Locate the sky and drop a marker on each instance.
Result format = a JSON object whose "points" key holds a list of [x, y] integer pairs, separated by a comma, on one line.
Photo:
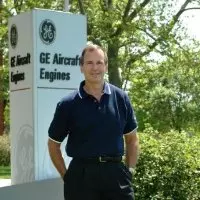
{"points": [[192, 23], [191, 19]]}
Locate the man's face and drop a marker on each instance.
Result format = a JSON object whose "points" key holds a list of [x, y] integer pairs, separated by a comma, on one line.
{"points": [[94, 66]]}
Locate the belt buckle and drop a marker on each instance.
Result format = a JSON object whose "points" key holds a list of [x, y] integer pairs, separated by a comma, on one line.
{"points": [[100, 160]]}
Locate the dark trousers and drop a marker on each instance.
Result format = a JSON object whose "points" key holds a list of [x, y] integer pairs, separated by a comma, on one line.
{"points": [[98, 181]]}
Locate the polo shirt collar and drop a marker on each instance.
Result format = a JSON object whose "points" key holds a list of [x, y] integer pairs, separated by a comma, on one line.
{"points": [[82, 93]]}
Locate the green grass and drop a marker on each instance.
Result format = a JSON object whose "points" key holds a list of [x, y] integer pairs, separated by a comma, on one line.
{"points": [[4, 172]]}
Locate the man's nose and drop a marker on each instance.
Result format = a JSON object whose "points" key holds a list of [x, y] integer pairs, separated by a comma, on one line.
{"points": [[94, 66]]}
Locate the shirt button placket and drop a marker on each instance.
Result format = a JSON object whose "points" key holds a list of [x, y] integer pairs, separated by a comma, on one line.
{"points": [[98, 105]]}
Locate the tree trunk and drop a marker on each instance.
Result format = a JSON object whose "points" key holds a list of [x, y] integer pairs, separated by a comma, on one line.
{"points": [[1, 118], [1, 99], [113, 65], [1, 88]]}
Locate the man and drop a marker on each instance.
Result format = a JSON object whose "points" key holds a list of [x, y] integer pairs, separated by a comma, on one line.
{"points": [[95, 118]]}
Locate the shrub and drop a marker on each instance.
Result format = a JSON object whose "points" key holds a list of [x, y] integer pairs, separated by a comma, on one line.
{"points": [[4, 150], [168, 166]]}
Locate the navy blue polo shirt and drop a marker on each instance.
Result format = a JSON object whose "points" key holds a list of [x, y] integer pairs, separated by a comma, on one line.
{"points": [[93, 128]]}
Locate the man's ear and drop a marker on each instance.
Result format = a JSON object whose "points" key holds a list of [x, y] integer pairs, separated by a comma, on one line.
{"points": [[81, 68]]}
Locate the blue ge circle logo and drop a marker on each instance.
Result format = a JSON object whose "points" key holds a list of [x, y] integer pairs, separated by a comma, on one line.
{"points": [[47, 31], [13, 36]]}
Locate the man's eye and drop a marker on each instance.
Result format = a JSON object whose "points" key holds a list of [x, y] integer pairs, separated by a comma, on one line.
{"points": [[89, 63], [99, 63]]}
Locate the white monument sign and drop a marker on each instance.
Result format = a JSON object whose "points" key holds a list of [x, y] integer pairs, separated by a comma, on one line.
{"points": [[44, 56]]}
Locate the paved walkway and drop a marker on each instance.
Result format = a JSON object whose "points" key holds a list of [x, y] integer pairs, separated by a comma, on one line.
{"points": [[5, 182]]}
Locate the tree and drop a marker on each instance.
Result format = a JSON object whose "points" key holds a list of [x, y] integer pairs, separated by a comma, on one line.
{"points": [[130, 30], [7, 9], [1, 78], [166, 94], [168, 166]]}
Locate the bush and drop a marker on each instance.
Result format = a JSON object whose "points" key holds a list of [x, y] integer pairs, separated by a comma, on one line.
{"points": [[4, 150], [168, 167]]}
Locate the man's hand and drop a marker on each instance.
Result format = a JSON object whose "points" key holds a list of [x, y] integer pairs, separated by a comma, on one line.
{"points": [[56, 157], [132, 149]]}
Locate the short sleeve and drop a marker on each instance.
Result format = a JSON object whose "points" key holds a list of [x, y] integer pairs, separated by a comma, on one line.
{"points": [[58, 128], [131, 121]]}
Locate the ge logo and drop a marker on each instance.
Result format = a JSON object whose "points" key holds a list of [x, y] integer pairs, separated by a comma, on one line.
{"points": [[47, 31], [13, 36]]}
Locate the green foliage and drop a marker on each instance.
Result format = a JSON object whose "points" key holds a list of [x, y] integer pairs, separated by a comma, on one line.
{"points": [[5, 172], [8, 9], [4, 150], [166, 94], [7, 118], [131, 31], [4, 83], [168, 167]]}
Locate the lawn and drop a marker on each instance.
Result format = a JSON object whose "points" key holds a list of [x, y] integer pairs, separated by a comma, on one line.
{"points": [[4, 172]]}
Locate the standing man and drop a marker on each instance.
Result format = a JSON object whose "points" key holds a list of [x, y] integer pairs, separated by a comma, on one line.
{"points": [[96, 118]]}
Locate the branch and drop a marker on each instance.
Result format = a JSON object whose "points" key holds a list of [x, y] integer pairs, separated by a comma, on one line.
{"points": [[168, 30], [109, 4], [94, 40], [158, 40], [130, 17], [130, 61], [106, 5], [183, 7], [192, 8], [162, 40], [1, 8], [102, 4], [135, 58], [138, 9], [82, 10], [127, 10], [1, 4]]}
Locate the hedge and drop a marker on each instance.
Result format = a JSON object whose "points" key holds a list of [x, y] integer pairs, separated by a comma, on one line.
{"points": [[168, 167], [4, 150]]}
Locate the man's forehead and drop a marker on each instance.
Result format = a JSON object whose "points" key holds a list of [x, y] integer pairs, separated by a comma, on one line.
{"points": [[90, 54], [93, 50]]}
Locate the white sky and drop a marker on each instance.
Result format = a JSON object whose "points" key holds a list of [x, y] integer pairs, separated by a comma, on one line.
{"points": [[191, 19], [192, 23]]}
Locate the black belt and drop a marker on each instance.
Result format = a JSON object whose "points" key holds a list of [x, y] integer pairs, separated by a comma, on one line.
{"points": [[100, 159]]}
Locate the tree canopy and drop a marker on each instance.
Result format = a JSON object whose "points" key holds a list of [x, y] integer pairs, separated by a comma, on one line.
{"points": [[147, 54]]}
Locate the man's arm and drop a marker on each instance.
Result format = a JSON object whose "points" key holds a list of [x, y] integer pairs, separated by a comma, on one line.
{"points": [[132, 148], [56, 157]]}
